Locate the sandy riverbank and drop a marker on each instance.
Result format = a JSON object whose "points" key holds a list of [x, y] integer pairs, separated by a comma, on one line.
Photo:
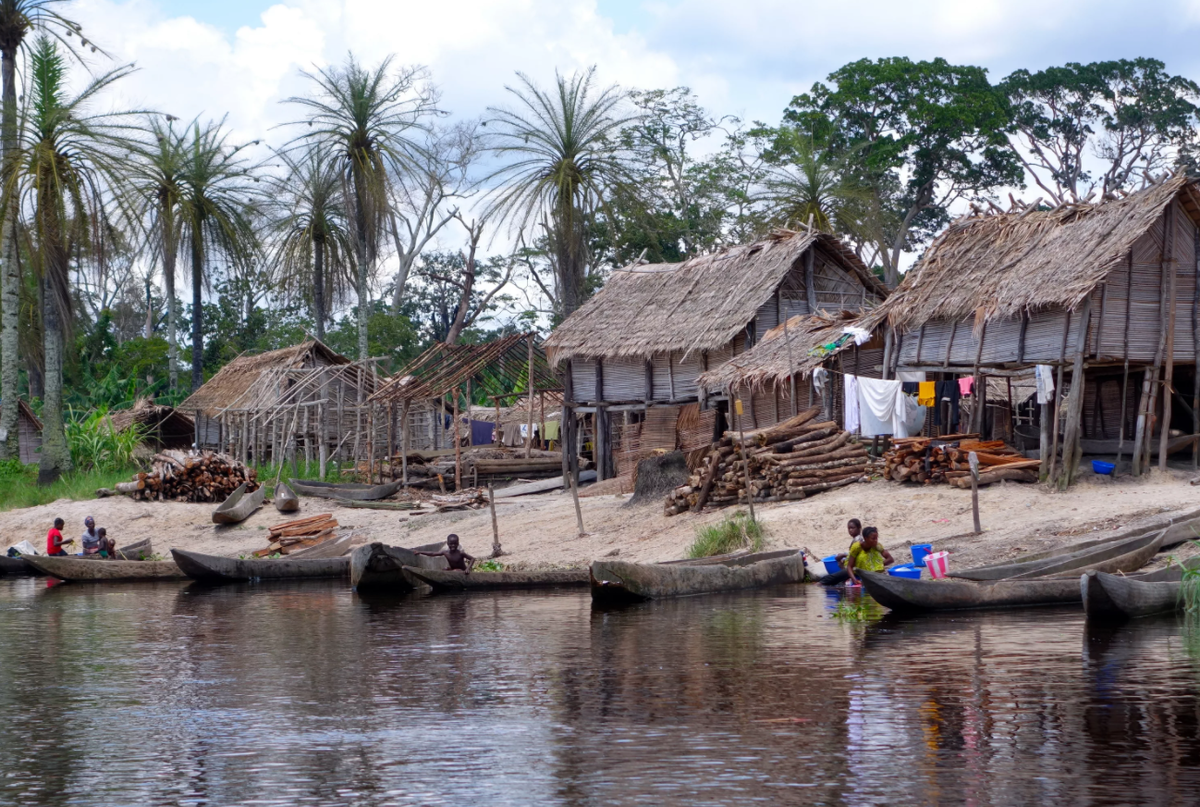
{"points": [[539, 530]]}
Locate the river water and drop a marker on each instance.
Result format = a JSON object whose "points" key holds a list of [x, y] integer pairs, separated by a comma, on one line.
{"points": [[167, 694]]}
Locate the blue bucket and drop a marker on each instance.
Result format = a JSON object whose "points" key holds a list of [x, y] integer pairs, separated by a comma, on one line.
{"points": [[907, 571], [1105, 468], [831, 564], [919, 551]]}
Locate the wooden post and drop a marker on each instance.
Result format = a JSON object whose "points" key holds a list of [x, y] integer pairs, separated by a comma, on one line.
{"points": [[974, 462], [496, 430], [457, 448], [575, 498], [1142, 434], [1196, 354], [196, 424], [341, 409], [1044, 443], [810, 286], [496, 550], [323, 445], [1058, 385], [1071, 439], [391, 441], [745, 462], [404, 442], [529, 397], [1164, 439]]}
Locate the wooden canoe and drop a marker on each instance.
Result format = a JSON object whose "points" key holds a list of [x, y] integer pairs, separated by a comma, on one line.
{"points": [[358, 493], [1098, 602], [15, 567], [1113, 596], [239, 506], [447, 581], [286, 500], [621, 581], [732, 559], [378, 567], [138, 550], [113, 571], [1087, 556], [216, 569], [950, 595], [330, 548]]}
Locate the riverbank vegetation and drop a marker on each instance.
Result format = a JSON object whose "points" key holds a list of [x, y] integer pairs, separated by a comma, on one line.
{"points": [[730, 534], [368, 221]]}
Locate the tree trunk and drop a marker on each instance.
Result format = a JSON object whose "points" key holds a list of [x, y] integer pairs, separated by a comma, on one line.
{"points": [[319, 287], [56, 455], [10, 276], [464, 300], [363, 270], [197, 309], [169, 256]]}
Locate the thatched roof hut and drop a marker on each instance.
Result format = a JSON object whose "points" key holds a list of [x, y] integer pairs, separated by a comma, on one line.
{"points": [[164, 426], [239, 384]]}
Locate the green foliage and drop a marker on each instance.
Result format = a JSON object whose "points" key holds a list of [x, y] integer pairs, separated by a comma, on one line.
{"points": [[489, 565], [732, 533], [95, 445], [22, 490], [1190, 589], [858, 610]]}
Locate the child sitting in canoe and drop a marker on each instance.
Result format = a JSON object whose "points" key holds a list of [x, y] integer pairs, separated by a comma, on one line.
{"points": [[458, 560], [108, 547], [867, 555]]}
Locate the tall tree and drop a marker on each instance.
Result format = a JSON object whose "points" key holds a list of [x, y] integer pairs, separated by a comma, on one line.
{"points": [[370, 119], [157, 175], [217, 186], [1083, 128], [312, 242], [563, 160], [17, 19], [66, 169], [923, 135]]}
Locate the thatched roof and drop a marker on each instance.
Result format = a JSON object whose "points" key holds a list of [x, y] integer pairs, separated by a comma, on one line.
{"points": [[164, 425], [231, 386], [783, 351], [26, 410], [1007, 264], [700, 304]]}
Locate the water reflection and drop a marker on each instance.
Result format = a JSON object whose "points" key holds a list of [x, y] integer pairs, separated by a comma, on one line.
{"points": [[305, 693]]}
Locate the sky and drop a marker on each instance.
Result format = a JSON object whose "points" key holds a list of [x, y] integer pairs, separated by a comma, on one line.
{"points": [[746, 58]]}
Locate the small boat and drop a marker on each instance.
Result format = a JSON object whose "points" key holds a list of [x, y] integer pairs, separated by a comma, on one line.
{"points": [[138, 550], [216, 569], [377, 567], [286, 500], [113, 571], [901, 594], [621, 581], [239, 506], [447, 581], [732, 559], [330, 548], [16, 567], [354, 492], [1109, 596], [1084, 556]]}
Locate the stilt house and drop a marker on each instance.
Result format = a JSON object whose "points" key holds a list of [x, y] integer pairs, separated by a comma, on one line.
{"points": [[29, 434], [636, 350], [1107, 294]]}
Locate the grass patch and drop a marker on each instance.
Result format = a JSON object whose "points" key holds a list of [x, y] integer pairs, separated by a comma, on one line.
{"points": [[19, 488], [729, 535], [489, 565], [1190, 589], [303, 470]]}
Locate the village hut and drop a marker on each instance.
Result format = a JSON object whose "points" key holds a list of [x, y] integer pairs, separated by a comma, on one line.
{"points": [[29, 434], [275, 406], [632, 356], [162, 426], [1105, 293]]}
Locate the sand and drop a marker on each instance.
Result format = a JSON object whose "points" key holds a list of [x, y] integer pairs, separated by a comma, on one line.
{"points": [[540, 530]]}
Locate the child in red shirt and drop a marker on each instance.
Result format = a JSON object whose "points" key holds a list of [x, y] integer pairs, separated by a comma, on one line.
{"points": [[54, 539]]}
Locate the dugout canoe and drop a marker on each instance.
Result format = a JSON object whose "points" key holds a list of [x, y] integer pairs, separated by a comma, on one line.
{"points": [[216, 569], [732, 559], [1116, 597], [1095, 556], [111, 571], [446, 581], [239, 506], [901, 594], [621, 581], [138, 550], [378, 567], [358, 493], [285, 499], [16, 567]]}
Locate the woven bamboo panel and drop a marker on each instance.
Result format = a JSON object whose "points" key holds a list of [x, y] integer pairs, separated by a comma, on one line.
{"points": [[663, 374], [658, 430], [687, 369], [1102, 406], [695, 427], [624, 379], [583, 379]]}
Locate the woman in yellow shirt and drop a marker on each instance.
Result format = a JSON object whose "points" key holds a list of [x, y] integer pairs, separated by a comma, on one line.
{"points": [[867, 555]]}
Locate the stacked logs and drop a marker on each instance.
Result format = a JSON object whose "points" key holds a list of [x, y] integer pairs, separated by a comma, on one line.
{"points": [[788, 461], [190, 477], [925, 461], [290, 536]]}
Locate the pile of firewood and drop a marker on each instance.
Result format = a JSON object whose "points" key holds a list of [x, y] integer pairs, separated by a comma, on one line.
{"points": [[788, 461], [927, 461], [183, 476], [290, 536]]}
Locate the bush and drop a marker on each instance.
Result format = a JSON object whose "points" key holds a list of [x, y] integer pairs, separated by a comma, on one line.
{"points": [[95, 445], [731, 534]]}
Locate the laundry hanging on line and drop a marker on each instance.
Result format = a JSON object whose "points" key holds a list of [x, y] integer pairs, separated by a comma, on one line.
{"points": [[884, 409], [851, 403], [926, 393], [1045, 383]]}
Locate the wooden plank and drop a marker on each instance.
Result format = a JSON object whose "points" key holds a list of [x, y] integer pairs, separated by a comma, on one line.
{"points": [[541, 486]]}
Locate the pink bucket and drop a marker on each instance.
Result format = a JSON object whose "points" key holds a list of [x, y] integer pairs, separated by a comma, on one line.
{"points": [[937, 564]]}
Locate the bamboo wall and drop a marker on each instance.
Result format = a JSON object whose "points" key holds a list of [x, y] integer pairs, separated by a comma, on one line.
{"points": [[29, 440]]}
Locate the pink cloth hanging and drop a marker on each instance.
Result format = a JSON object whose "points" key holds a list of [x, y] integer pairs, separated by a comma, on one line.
{"points": [[966, 385]]}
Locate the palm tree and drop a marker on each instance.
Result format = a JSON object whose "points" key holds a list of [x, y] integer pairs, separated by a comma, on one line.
{"points": [[157, 175], [807, 184], [310, 229], [215, 215], [366, 118], [66, 169], [17, 19], [563, 161]]}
